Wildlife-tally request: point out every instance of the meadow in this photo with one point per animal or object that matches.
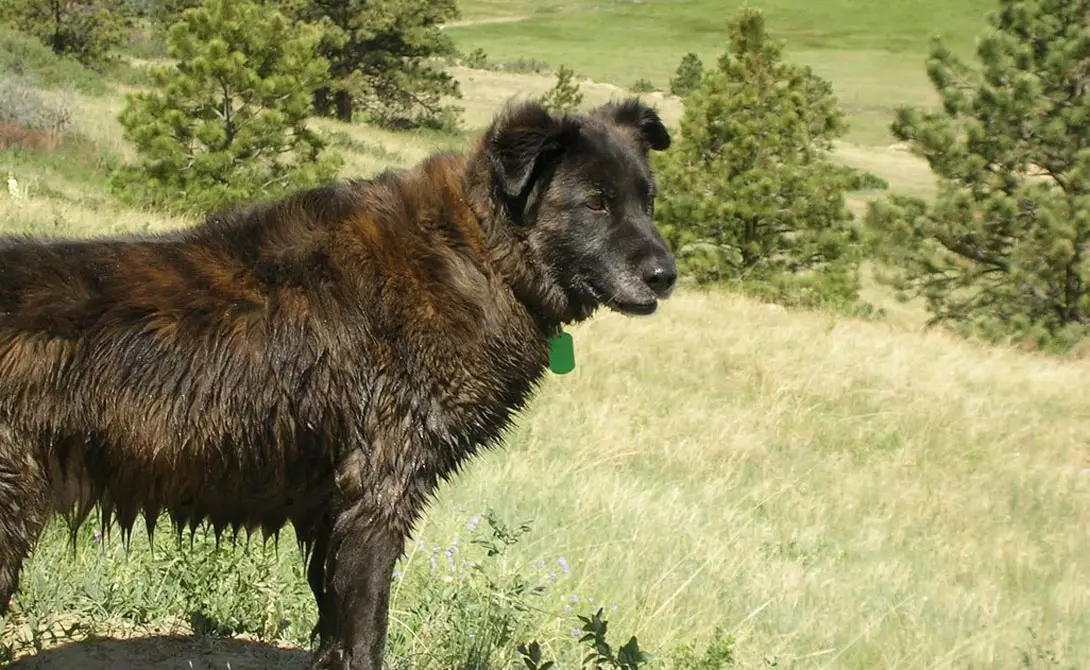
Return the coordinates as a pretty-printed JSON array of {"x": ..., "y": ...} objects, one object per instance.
[{"x": 823, "y": 491}]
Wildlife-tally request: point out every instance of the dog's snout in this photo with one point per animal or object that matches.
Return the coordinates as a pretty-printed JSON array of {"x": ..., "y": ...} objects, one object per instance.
[{"x": 660, "y": 275}]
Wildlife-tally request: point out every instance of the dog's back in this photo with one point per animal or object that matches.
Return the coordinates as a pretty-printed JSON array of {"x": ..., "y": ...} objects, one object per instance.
[{"x": 150, "y": 374}]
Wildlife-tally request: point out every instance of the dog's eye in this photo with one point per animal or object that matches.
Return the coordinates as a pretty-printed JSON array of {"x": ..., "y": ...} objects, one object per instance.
[{"x": 596, "y": 205}]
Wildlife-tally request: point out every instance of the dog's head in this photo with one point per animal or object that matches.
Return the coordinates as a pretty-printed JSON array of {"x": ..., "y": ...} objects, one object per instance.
[{"x": 580, "y": 191}]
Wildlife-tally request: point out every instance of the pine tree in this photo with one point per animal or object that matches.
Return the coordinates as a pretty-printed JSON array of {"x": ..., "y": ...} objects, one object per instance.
[
  {"x": 564, "y": 97},
  {"x": 228, "y": 122},
  {"x": 1004, "y": 251},
  {"x": 747, "y": 194},
  {"x": 380, "y": 54},
  {"x": 86, "y": 30},
  {"x": 688, "y": 75},
  {"x": 167, "y": 12}
]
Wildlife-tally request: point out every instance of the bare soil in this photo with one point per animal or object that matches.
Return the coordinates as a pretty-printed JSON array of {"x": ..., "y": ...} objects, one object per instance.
[{"x": 166, "y": 652}]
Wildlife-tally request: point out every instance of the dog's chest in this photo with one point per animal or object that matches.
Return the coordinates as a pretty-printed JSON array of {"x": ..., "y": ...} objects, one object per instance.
[{"x": 490, "y": 386}]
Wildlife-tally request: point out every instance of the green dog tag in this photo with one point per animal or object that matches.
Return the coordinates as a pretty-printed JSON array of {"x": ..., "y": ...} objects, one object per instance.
[{"x": 561, "y": 353}]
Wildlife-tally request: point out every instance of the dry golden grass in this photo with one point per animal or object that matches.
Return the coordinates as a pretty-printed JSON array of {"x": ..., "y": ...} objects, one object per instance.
[
  {"x": 51, "y": 216},
  {"x": 486, "y": 91},
  {"x": 904, "y": 171},
  {"x": 836, "y": 493},
  {"x": 96, "y": 119}
]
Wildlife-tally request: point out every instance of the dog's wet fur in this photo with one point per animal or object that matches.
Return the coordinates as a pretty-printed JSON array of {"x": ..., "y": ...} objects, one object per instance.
[{"x": 324, "y": 360}]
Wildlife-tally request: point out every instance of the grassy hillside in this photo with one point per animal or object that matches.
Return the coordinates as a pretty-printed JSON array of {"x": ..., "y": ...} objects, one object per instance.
[
  {"x": 830, "y": 492},
  {"x": 872, "y": 51}
]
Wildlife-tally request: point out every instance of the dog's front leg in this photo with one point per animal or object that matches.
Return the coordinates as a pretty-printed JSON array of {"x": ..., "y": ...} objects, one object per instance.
[{"x": 363, "y": 548}]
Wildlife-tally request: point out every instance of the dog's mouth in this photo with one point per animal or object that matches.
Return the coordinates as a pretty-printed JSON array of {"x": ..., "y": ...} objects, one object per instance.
[
  {"x": 622, "y": 305},
  {"x": 633, "y": 308}
]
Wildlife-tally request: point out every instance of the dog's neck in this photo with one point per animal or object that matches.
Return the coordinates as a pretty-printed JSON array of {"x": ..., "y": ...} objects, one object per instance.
[{"x": 512, "y": 256}]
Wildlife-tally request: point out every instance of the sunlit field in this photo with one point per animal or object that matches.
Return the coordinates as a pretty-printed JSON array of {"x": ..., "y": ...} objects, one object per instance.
[{"x": 828, "y": 492}]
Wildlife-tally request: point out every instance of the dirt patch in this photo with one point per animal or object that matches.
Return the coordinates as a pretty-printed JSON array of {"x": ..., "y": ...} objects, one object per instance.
[
  {"x": 166, "y": 653},
  {"x": 491, "y": 19}
]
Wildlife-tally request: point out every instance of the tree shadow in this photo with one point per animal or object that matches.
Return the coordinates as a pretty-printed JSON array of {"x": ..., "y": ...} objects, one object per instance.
[{"x": 166, "y": 652}]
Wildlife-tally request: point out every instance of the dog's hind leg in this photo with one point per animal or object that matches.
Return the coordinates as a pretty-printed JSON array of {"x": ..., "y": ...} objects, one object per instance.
[
  {"x": 24, "y": 507},
  {"x": 319, "y": 552},
  {"x": 360, "y": 558}
]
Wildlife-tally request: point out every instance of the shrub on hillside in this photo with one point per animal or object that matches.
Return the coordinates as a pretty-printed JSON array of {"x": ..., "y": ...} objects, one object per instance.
[
  {"x": 24, "y": 56},
  {"x": 747, "y": 193},
  {"x": 861, "y": 180},
  {"x": 87, "y": 30},
  {"x": 228, "y": 122},
  {"x": 688, "y": 75},
  {"x": 24, "y": 105},
  {"x": 1004, "y": 251},
  {"x": 564, "y": 96},
  {"x": 477, "y": 59},
  {"x": 525, "y": 66}
]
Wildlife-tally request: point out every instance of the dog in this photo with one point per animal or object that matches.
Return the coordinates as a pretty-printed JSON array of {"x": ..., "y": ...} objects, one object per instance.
[{"x": 326, "y": 359}]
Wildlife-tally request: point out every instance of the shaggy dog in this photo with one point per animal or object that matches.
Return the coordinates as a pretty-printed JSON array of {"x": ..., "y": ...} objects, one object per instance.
[{"x": 325, "y": 360}]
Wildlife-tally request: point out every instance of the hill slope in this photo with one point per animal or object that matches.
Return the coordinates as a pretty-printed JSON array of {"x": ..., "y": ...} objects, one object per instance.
[{"x": 873, "y": 52}]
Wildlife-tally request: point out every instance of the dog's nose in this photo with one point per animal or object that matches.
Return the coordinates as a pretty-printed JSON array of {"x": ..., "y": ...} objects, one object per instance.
[{"x": 660, "y": 275}]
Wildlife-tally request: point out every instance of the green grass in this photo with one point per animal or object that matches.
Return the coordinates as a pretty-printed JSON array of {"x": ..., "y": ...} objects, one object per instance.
[
  {"x": 838, "y": 24},
  {"x": 873, "y": 52},
  {"x": 75, "y": 170}
]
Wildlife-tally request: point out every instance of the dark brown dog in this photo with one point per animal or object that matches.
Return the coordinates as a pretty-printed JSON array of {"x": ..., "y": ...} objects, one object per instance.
[{"x": 325, "y": 360}]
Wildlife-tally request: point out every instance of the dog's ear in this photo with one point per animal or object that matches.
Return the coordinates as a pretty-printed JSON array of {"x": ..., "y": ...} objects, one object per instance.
[
  {"x": 521, "y": 139},
  {"x": 639, "y": 117}
]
